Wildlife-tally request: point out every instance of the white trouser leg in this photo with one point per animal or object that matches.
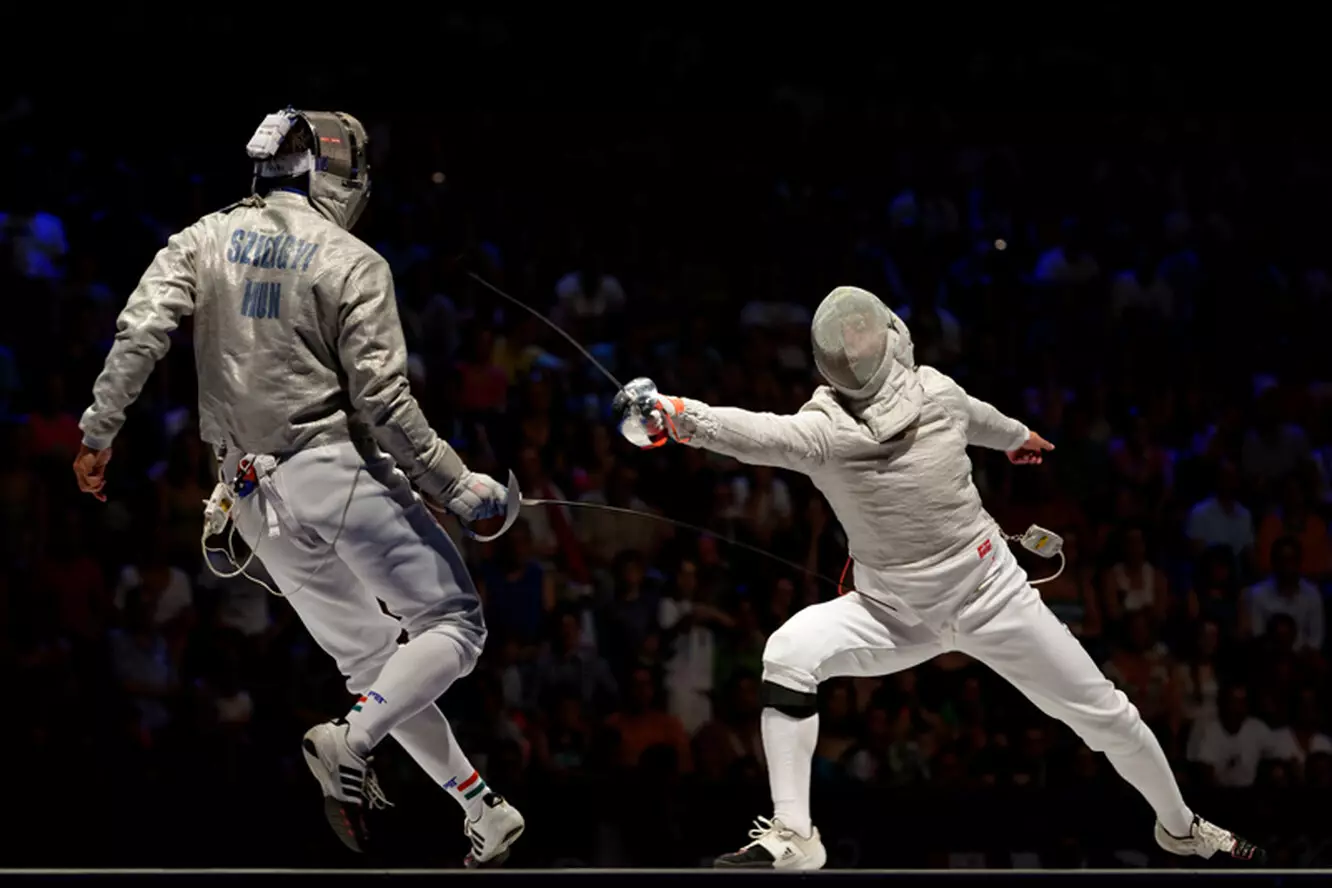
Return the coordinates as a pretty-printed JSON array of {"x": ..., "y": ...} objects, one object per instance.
[
  {"x": 341, "y": 616},
  {"x": 849, "y": 636},
  {"x": 1008, "y": 628},
  {"x": 355, "y": 532}
]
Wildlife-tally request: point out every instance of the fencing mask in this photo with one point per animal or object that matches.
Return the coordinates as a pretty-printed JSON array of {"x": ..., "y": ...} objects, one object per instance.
[
  {"x": 336, "y": 160},
  {"x": 864, "y": 351}
]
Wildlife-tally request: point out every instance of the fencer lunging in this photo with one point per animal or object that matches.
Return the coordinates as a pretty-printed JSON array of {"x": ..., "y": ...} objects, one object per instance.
[
  {"x": 885, "y": 442},
  {"x": 302, "y": 380}
]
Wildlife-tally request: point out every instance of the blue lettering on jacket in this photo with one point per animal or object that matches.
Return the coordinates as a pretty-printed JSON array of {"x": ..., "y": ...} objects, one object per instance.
[
  {"x": 262, "y": 299},
  {"x": 279, "y": 251}
]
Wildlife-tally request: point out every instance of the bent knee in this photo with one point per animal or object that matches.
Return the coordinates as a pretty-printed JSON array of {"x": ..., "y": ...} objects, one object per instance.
[{"x": 790, "y": 660}]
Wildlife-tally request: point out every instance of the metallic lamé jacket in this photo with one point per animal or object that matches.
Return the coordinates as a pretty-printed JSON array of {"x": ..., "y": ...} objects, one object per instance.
[{"x": 297, "y": 340}]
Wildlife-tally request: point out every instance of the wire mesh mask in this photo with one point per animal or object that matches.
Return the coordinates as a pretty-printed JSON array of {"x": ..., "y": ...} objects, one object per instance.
[{"x": 851, "y": 338}]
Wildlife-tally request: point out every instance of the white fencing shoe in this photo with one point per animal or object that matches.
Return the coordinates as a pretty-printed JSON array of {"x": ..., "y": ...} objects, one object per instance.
[
  {"x": 347, "y": 780},
  {"x": 493, "y": 833},
  {"x": 773, "y": 846},
  {"x": 1207, "y": 839}
]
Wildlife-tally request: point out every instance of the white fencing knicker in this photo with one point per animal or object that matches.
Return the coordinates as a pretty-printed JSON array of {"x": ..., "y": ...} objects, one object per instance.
[{"x": 339, "y": 533}]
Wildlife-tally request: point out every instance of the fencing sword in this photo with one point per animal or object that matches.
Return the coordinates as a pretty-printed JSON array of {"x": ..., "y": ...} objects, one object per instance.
[
  {"x": 684, "y": 525},
  {"x": 515, "y": 498},
  {"x": 549, "y": 323}
]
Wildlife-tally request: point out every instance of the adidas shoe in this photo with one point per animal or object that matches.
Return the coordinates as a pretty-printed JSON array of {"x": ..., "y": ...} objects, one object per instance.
[
  {"x": 347, "y": 780},
  {"x": 1207, "y": 839},
  {"x": 493, "y": 833},
  {"x": 776, "y": 847}
]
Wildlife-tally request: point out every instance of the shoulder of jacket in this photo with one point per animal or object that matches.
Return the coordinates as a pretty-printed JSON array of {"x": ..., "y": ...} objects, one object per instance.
[
  {"x": 357, "y": 259},
  {"x": 251, "y": 201},
  {"x": 935, "y": 380},
  {"x": 824, "y": 400}
]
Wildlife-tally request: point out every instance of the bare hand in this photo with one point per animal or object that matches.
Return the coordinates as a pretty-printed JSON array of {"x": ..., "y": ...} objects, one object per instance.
[
  {"x": 1029, "y": 454},
  {"x": 90, "y": 470}
]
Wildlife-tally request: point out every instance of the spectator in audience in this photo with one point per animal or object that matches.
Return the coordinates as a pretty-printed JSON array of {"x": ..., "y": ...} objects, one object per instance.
[
  {"x": 1286, "y": 592},
  {"x": 631, "y": 614},
  {"x": 1293, "y": 518},
  {"x": 518, "y": 592},
  {"x": 589, "y": 294},
  {"x": 1273, "y": 449},
  {"x": 690, "y": 627},
  {"x": 483, "y": 384},
  {"x": 1215, "y": 594},
  {"x": 1304, "y": 736},
  {"x": 1069, "y": 263},
  {"x": 144, "y": 665},
  {"x": 763, "y": 502},
  {"x": 68, "y": 575},
  {"x": 730, "y": 743},
  {"x": 1221, "y": 520},
  {"x": 1141, "y": 666},
  {"x": 838, "y": 730},
  {"x": 564, "y": 747},
  {"x": 1133, "y": 583},
  {"x": 1140, "y": 463},
  {"x": 1198, "y": 678},
  {"x": 54, "y": 428},
  {"x": 1231, "y": 747},
  {"x": 552, "y": 527},
  {"x": 569, "y": 668},
  {"x": 604, "y": 534},
  {"x": 165, "y": 590},
  {"x": 642, "y": 724},
  {"x": 182, "y": 489}
]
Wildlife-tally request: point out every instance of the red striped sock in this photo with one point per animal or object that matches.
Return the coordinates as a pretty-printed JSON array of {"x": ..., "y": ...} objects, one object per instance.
[{"x": 470, "y": 790}]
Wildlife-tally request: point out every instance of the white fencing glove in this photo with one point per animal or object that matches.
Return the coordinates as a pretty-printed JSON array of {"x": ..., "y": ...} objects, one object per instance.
[
  {"x": 647, "y": 418},
  {"x": 475, "y": 496}
]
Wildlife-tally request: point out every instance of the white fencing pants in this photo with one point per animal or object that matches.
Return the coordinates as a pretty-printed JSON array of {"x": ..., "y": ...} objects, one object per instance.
[
  {"x": 1003, "y": 623},
  {"x": 339, "y": 534}
]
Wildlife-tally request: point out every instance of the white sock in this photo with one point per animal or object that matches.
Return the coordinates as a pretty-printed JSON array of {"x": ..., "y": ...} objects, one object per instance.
[
  {"x": 788, "y": 744},
  {"x": 430, "y": 742},
  {"x": 1148, "y": 771},
  {"x": 417, "y": 674}
]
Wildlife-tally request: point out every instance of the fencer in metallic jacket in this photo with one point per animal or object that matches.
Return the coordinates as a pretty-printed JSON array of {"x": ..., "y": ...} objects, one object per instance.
[{"x": 297, "y": 338}]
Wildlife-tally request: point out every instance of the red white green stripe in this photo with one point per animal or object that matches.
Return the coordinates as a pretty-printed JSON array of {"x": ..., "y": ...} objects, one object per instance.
[
  {"x": 472, "y": 786},
  {"x": 359, "y": 704}
]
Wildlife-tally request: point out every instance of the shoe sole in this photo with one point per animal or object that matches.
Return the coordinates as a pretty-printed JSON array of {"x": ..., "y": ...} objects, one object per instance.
[
  {"x": 346, "y": 821},
  {"x": 726, "y": 864},
  {"x": 348, "y": 825},
  {"x": 510, "y": 837}
]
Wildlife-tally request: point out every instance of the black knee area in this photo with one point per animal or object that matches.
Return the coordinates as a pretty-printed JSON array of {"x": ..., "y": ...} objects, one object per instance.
[{"x": 796, "y": 704}]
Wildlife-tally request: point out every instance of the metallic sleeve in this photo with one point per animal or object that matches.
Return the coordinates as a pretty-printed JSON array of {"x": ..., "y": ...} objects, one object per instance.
[
  {"x": 165, "y": 294},
  {"x": 799, "y": 442},
  {"x": 373, "y": 353}
]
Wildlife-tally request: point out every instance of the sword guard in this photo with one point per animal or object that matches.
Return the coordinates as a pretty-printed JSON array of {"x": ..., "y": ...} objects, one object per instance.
[{"x": 512, "y": 506}]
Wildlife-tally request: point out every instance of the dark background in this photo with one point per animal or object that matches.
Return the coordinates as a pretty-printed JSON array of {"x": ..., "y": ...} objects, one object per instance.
[{"x": 710, "y": 167}]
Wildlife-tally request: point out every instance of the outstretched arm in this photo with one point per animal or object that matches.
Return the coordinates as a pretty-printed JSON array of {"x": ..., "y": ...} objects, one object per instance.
[{"x": 799, "y": 442}]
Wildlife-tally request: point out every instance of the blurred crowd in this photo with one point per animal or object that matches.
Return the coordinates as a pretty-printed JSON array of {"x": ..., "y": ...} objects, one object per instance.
[{"x": 1144, "y": 308}]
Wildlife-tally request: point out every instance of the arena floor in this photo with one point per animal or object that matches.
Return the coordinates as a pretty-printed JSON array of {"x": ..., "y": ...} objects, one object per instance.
[{"x": 257, "y": 878}]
